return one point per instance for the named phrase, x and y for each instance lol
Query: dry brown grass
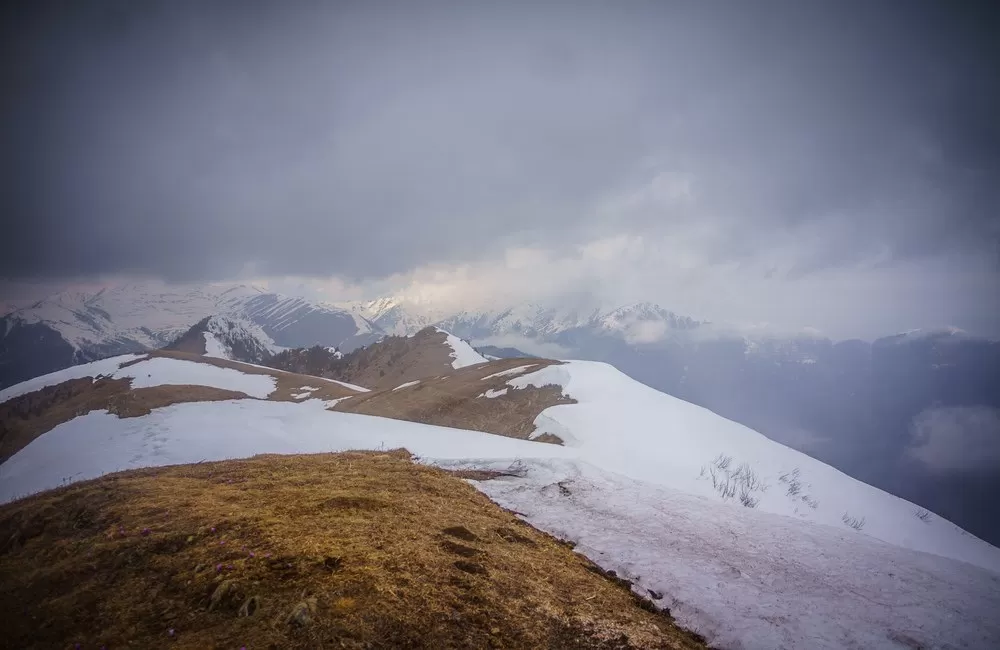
(396, 360)
(449, 398)
(392, 361)
(452, 400)
(356, 550)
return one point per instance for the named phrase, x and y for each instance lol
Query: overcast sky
(802, 164)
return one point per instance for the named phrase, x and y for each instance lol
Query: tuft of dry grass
(354, 550)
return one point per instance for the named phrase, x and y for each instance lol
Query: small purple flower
(251, 554)
(222, 542)
(145, 532)
(230, 567)
(218, 567)
(170, 632)
(213, 529)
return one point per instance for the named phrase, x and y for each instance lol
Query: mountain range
(867, 408)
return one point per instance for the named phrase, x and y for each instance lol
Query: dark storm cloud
(189, 139)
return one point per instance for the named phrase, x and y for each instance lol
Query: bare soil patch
(244, 553)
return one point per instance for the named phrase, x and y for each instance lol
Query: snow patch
(160, 371)
(360, 389)
(512, 371)
(491, 393)
(461, 352)
(553, 375)
(407, 385)
(215, 348)
(751, 580)
(92, 369)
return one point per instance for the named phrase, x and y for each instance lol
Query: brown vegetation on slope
(454, 400)
(390, 362)
(356, 550)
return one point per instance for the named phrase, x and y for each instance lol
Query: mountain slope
(227, 338)
(663, 440)
(392, 361)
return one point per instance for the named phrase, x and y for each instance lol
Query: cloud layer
(960, 438)
(641, 149)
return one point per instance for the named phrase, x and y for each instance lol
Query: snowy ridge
(627, 427)
(237, 339)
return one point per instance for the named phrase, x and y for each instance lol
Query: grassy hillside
(390, 362)
(356, 550)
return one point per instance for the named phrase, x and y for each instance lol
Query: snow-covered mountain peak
(237, 339)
